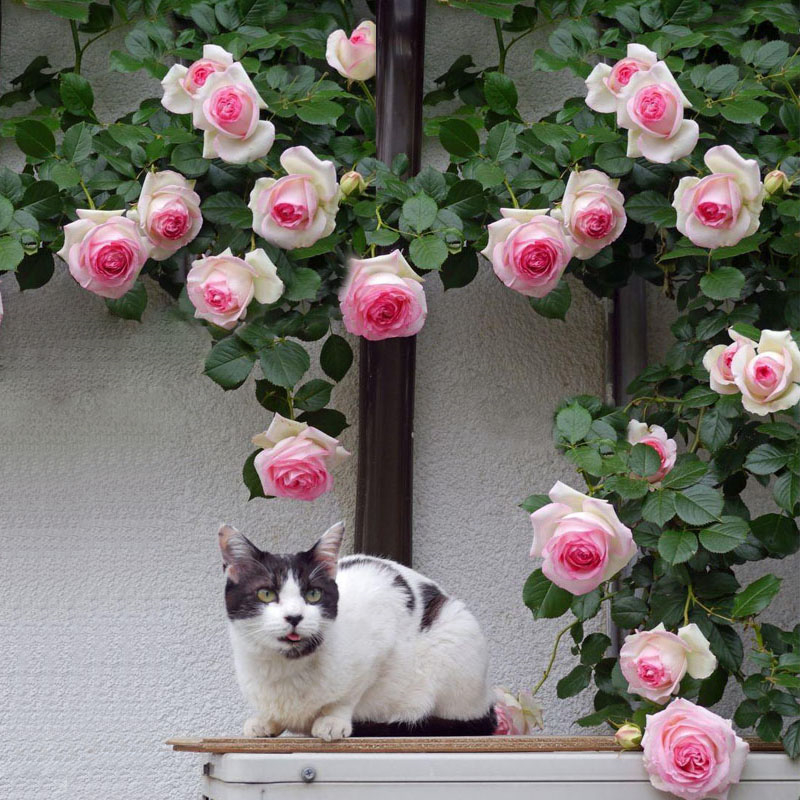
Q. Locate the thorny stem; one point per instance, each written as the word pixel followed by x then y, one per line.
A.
pixel 76 43
pixel 370 97
pixel 696 440
pixel 501 46
pixel 549 667
pixel 514 200
pixel 88 196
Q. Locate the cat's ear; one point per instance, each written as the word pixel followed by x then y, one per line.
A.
pixel 236 549
pixel 326 550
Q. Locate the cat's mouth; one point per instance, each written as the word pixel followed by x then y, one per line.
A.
pixel 292 638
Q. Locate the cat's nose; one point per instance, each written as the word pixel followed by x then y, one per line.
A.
pixel 294 619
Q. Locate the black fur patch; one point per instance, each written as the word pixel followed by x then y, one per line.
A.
pixel 432 602
pixel 430 726
pixel 397 579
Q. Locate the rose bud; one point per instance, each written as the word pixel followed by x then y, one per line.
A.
pixel 629 736
pixel 352 183
pixel 353 57
pixel 776 182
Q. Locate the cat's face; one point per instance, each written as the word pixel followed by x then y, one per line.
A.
pixel 281 602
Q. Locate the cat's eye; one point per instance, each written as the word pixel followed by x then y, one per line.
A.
pixel 266 595
pixel 313 596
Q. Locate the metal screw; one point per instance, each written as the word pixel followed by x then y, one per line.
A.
pixel 308 774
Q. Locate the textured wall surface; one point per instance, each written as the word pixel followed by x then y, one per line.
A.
pixel 119 460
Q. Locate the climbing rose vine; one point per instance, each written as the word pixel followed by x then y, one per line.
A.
pixel 250 192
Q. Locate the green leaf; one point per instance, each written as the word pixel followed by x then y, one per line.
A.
pixel 420 212
pixel 659 507
pixel 593 648
pixel 459 269
pixel 721 79
pixel 302 283
pixel 688 469
pixel 573 422
pixel 766 459
pixel 715 430
pixel 644 460
pixel 188 160
pixel 131 305
pixel 428 252
pixel 6 212
pixel 41 200
pixel 651 206
pixel 755 597
pixel 626 487
pixel 628 611
pixel 585 606
pixel 698 504
pixel 611 158
pixel 543 598
pixel 555 304
pixel 35 139
pixel 770 55
pixel 501 143
pixel 777 533
pixel 726 646
pixel 11 253
pixel 228 209
pixel 726 535
pixel 725 283
pixel 76 146
pixel 229 362
pixel 459 138
pixel 500 92
pixel 747 713
pixel 786 491
pixel 285 363
pixel 791 740
pixel 676 547
pixel 76 94
pixel 328 420
pixel 313 396
pixel 320 112
pixel 77 10
pixel 743 111
pixel 251 478
pixel 700 396
pixel 35 270
pixel 713 687
pixel 336 357
pixel 534 502
pixel 770 726
pixel 575 682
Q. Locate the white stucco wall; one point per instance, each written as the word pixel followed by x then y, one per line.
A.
pixel 119 460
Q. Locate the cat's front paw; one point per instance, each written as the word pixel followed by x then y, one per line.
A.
pixel 260 728
pixel 329 728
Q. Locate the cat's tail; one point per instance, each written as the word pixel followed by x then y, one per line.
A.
pixel 429 726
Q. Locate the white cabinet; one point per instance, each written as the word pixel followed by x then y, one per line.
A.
pixel 464 776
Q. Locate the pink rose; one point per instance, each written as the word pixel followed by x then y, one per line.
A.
pixel 516 716
pixel 105 252
pixel 168 212
pixel 692 753
pixel 581 539
pixel 655 661
pixel 529 251
pixel 383 298
pixel 181 84
pixel 718 362
pixel 592 210
pixel 605 84
pixel 723 208
pixel 221 287
pixel 656 437
pixel 300 209
pixel 227 109
pixel 296 459
pixel 353 57
pixel 651 108
pixel 767 375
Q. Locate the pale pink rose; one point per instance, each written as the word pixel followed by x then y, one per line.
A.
pixel 605 83
pixel 353 57
pixel 767 375
pixel 383 298
pixel 300 209
pixel 181 84
pixel 226 107
pixel 692 753
pixel 592 210
pixel 655 661
pixel 221 287
pixel 168 212
pixel 656 437
pixel 581 539
pixel 105 251
pixel 296 459
pixel 516 715
pixel 718 362
pixel 529 251
pixel 723 208
pixel 651 108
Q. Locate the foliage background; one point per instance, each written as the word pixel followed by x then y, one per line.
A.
pixel 490 373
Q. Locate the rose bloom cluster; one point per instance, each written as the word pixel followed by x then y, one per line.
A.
pixel 766 373
pixel 517 715
pixel 530 248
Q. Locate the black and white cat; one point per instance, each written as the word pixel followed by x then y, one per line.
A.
pixel 362 646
